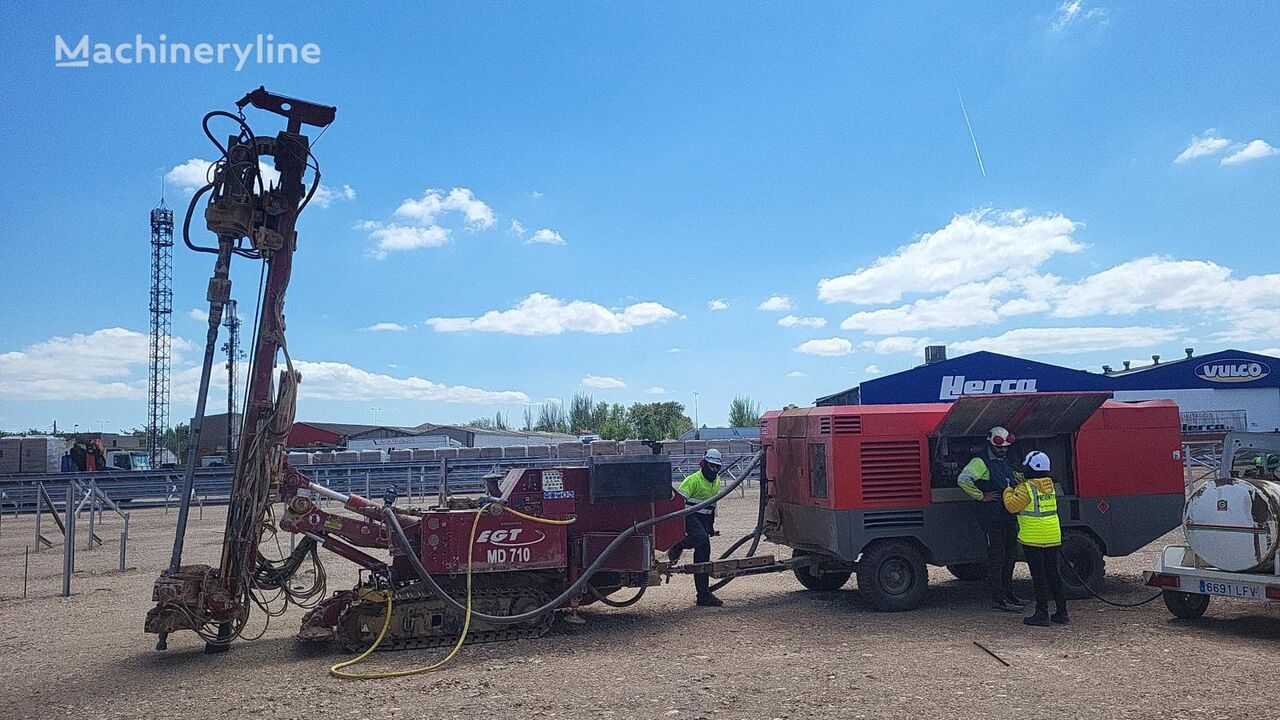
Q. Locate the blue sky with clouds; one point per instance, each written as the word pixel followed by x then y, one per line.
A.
pixel 650 201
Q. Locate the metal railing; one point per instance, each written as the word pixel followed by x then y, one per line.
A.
pixel 412 479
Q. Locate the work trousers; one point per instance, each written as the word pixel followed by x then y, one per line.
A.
pixel 1001 529
pixel 697 537
pixel 1043 562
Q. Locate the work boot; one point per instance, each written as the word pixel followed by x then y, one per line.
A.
pixel 1061 616
pixel 673 555
pixel 709 600
pixel 1012 599
pixel 1005 605
pixel 1039 619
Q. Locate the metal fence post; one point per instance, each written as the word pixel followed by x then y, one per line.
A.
pixel 93 501
pixel 366 483
pixel 69 542
pixel 444 481
pixel 408 484
pixel 39 512
pixel 124 540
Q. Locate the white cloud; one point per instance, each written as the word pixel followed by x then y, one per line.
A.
pixel 340 381
pixel 826 347
pixel 972 247
pixel 386 327
pixel 540 314
pixel 1163 283
pixel 788 321
pixel 963 306
pixel 658 390
pixel 776 303
pixel 1073 12
pixel 326 196
pixel 199 314
pixel 1253 150
pixel 195 174
pixel 872 370
pixel 536 195
pixel 1273 352
pixel 545 236
pixel 517 228
pixel 1068 340
pixel 898 345
pixel 433 204
pixel 796 374
pixel 1210 143
pixel 101 365
pixel 393 237
pixel 602 382
pixel 718 304
pixel 675 350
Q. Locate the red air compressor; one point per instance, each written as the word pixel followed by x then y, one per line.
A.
pixel 871 489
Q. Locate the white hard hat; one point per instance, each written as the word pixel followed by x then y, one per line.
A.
pixel 1000 437
pixel 1037 461
pixel 713 456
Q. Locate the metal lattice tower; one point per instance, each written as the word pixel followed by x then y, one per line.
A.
pixel 161 315
pixel 232 348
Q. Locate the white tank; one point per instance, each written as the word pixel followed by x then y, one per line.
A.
pixel 1234 523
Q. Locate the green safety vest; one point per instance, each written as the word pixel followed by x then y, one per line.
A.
pixel 1038 522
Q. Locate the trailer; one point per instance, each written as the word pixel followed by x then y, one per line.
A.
pixel 871 489
pixel 1232 528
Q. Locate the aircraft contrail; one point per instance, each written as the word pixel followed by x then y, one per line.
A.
pixel 973 137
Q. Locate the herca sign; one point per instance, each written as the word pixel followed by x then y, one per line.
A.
pixel 1232 371
pixel 953 386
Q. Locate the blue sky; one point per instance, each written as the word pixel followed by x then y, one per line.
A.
pixel 680 154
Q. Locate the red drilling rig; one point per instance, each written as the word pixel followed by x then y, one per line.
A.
pixel 497 564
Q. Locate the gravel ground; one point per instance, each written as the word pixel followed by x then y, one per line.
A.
pixel 774 651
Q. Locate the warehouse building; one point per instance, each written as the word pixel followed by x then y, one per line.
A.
pixel 1217 393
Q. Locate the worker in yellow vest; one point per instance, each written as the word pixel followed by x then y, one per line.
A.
pixel 1035 502
pixel 699 526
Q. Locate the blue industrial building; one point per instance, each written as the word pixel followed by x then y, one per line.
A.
pixel 1219 392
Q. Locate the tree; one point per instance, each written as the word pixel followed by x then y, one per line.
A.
pixel 177 438
pixel 581 416
pixel 552 418
pixel 744 412
pixel 659 421
pixel 613 422
pixel 528 418
pixel 483 423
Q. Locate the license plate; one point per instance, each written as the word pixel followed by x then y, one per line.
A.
pixel 1235 590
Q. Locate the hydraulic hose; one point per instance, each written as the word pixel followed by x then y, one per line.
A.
pixel 753 536
pixel 398 531
pixel 617 603
pixel 1099 597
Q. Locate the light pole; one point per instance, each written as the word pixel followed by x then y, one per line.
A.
pixel 695 414
pixel 375 411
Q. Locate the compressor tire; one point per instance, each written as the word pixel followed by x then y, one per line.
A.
pixel 822 581
pixel 1080 559
pixel 1187 606
pixel 892 576
pixel 969 572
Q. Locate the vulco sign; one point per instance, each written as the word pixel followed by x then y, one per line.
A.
pixel 953 386
pixel 1232 371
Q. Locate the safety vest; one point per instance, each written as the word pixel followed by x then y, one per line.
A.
pixel 1038 522
pixel 695 488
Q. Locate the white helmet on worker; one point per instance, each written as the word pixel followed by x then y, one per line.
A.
pixel 1037 461
pixel 712 457
pixel 1000 437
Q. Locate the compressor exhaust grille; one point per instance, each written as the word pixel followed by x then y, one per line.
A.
pixel 891 472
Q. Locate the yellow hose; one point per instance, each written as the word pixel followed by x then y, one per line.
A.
pixel 337 670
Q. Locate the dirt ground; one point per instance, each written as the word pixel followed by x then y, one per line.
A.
pixel 774 651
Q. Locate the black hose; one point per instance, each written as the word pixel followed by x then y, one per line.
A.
pixel 1080 580
pixel 617 603
pixel 398 532
pixel 753 536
